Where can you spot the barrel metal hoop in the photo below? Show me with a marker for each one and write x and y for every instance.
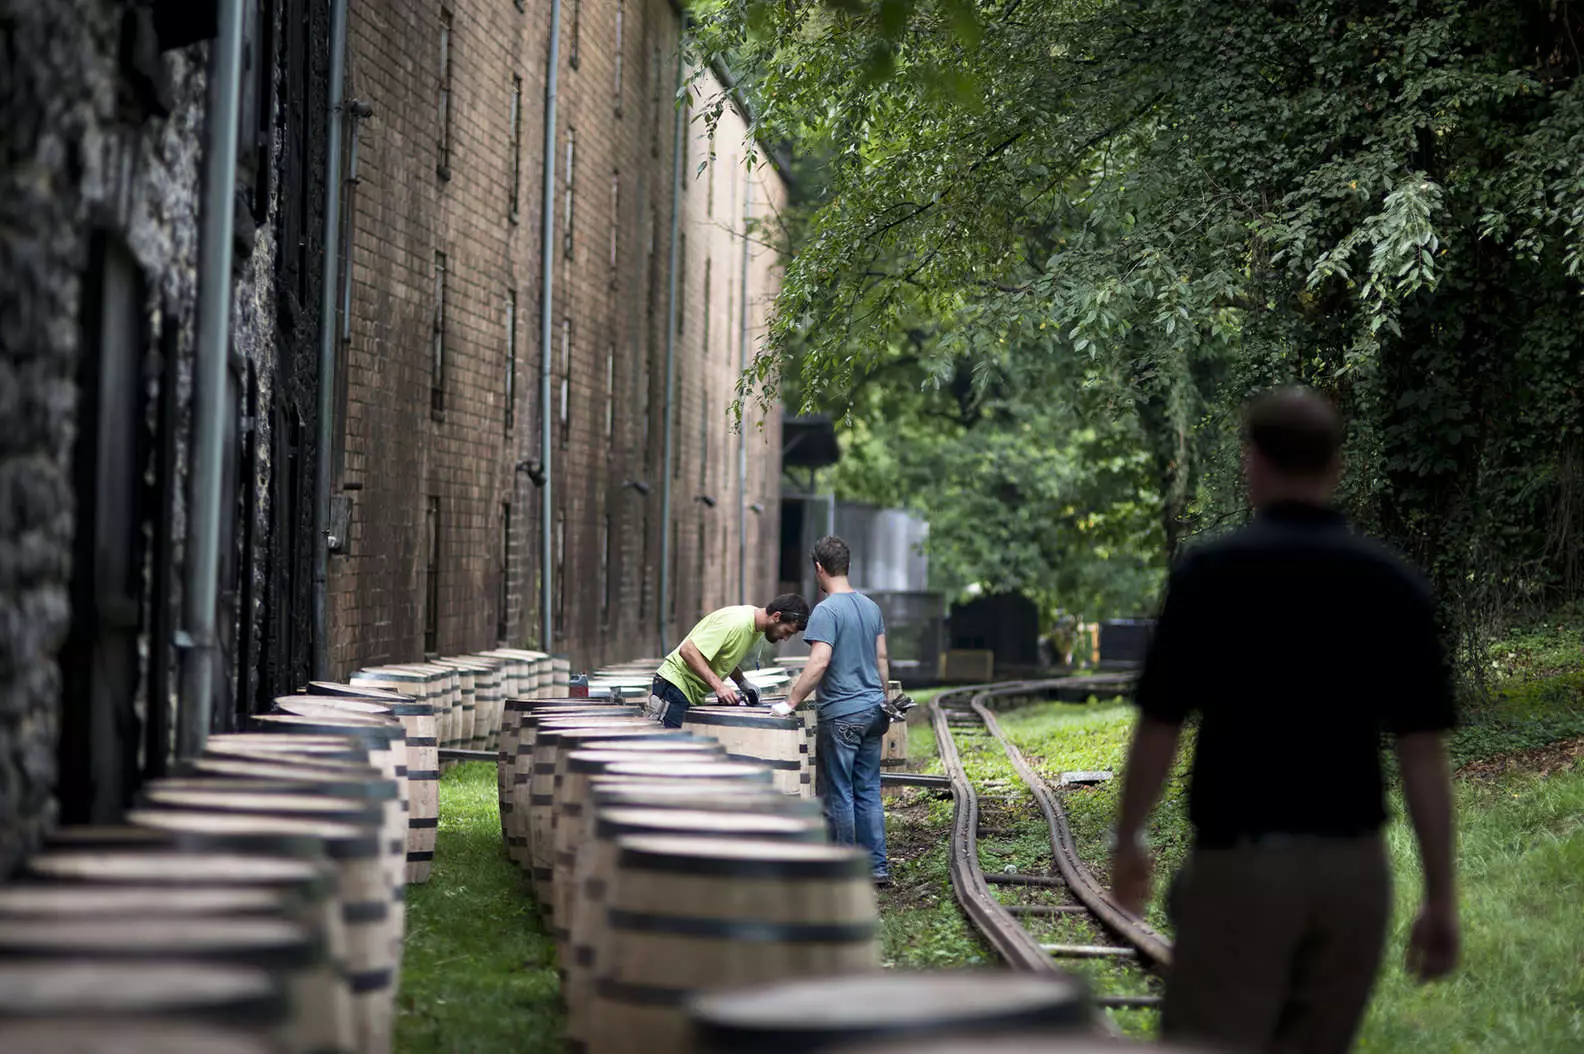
(418, 856)
(765, 721)
(755, 930)
(365, 981)
(641, 994)
(423, 821)
(424, 774)
(845, 867)
(785, 766)
(365, 912)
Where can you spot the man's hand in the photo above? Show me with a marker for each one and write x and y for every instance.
(1433, 944)
(725, 694)
(1130, 875)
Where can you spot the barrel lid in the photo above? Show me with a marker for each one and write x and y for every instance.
(105, 836)
(687, 794)
(274, 944)
(814, 1013)
(129, 1036)
(617, 821)
(361, 791)
(354, 691)
(340, 840)
(166, 868)
(249, 803)
(740, 717)
(32, 988)
(47, 899)
(380, 732)
(464, 664)
(296, 704)
(391, 674)
(289, 770)
(601, 755)
(1022, 1042)
(741, 858)
(276, 741)
(566, 736)
(719, 770)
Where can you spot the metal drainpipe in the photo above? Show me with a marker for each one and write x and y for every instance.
(666, 585)
(742, 435)
(547, 329)
(327, 337)
(209, 442)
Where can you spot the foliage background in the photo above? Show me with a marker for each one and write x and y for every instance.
(1043, 252)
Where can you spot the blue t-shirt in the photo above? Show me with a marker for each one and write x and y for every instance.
(849, 623)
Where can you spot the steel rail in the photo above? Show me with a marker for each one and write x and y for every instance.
(1090, 893)
(1012, 942)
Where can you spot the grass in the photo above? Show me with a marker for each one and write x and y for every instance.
(478, 973)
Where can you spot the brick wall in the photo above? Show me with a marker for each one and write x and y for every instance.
(614, 182)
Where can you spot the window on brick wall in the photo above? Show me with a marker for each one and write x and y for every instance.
(432, 576)
(566, 381)
(615, 222)
(515, 201)
(443, 94)
(610, 394)
(560, 566)
(681, 320)
(605, 575)
(503, 595)
(569, 202)
(708, 279)
(654, 102)
(511, 358)
(437, 366)
(577, 33)
(616, 79)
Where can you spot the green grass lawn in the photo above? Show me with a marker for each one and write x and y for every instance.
(478, 973)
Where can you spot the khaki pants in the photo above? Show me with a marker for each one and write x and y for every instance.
(1277, 944)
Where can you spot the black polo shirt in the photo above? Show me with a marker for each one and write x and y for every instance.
(1299, 642)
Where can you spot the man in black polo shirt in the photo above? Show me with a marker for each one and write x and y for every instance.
(1281, 908)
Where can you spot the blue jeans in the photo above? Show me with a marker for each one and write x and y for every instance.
(674, 705)
(849, 762)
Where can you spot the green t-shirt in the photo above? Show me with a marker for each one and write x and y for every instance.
(723, 637)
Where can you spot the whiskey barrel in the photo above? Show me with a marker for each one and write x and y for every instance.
(571, 794)
(473, 675)
(752, 734)
(711, 795)
(688, 914)
(489, 692)
(804, 1015)
(585, 945)
(88, 990)
(307, 887)
(363, 892)
(560, 670)
(445, 693)
(320, 1014)
(541, 785)
(117, 1035)
(530, 714)
(1019, 1043)
(422, 782)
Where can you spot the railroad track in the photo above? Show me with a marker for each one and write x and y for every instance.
(1128, 937)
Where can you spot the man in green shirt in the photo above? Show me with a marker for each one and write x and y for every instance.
(711, 653)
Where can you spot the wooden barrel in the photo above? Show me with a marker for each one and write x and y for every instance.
(751, 734)
(316, 748)
(362, 892)
(688, 914)
(320, 1017)
(804, 1015)
(577, 768)
(487, 698)
(1018, 1043)
(116, 1035)
(445, 692)
(417, 717)
(540, 800)
(560, 670)
(505, 771)
(307, 887)
(587, 941)
(88, 990)
(474, 674)
(530, 713)
(712, 795)
(44, 900)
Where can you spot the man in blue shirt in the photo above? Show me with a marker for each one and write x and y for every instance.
(847, 661)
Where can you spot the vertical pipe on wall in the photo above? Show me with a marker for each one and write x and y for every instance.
(327, 335)
(742, 424)
(666, 541)
(209, 442)
(546, 331)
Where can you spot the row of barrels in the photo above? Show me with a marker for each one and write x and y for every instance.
(254, 901)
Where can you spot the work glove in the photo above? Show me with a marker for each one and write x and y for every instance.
(750, 695)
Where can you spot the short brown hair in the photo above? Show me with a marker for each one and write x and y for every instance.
(831, 553)
(1296, 429)
(792, 608)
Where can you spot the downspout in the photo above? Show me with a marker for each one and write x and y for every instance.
(327, 337)
(666, 585)
(547, 330)
(209, 442)
(742, 435)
